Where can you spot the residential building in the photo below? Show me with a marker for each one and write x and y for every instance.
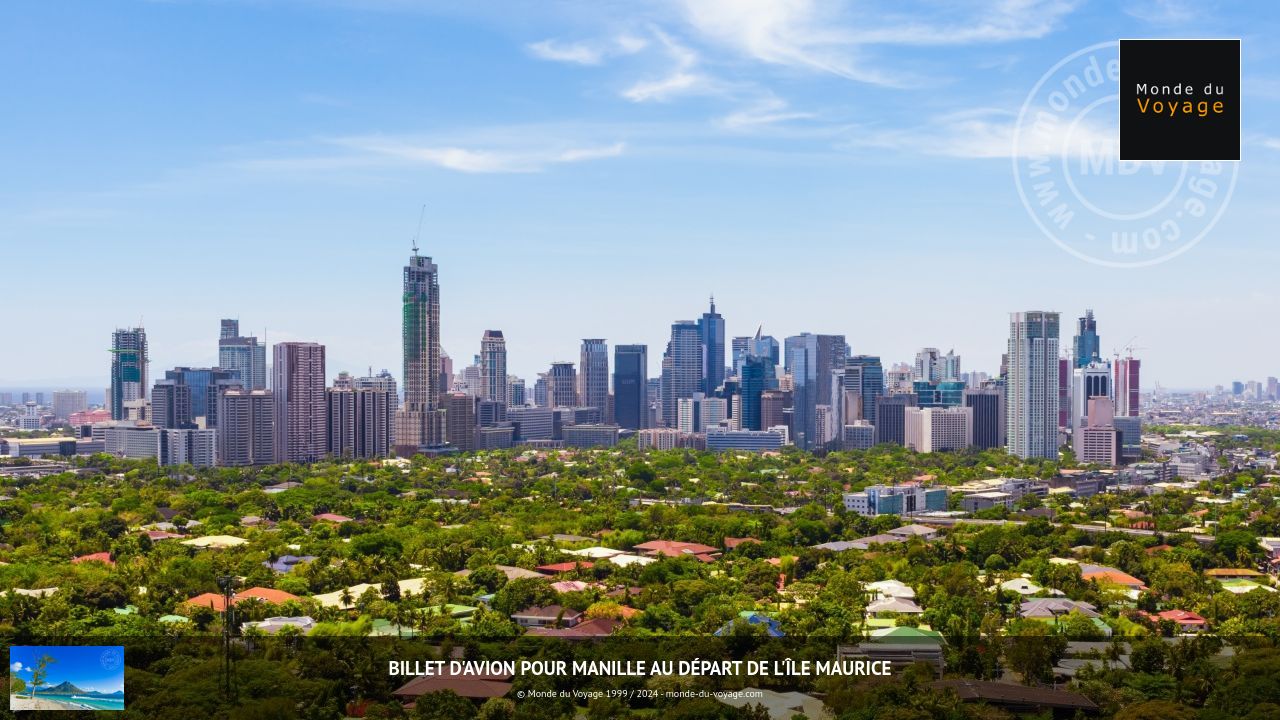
(460, 421)
(417, 422)
(938, 429)
(1128, 371)
(246, 427)
(298, 389)
(68, 402)
(1032, 384)
(128, 369)
(171, 405)
(859, 436)
(562, 384)
(493, 368)
(593, 375)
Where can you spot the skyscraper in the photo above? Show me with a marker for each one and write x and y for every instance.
(562, 382)
(1128, 386)
(811, 359)
(460, 421)
(593, 374)
(171, 405)
(68, 402)
(417, 423)
(753, 381)
(711, 338)
(242, 355)
(630, 386)
(128, 369)
(871, 376)
(1032, 386)
(681, 368)
(245, 434)
(1086, 346)
(300, 409)
(988, 406)
(493, 367)
(203, 383)
(1088, 382)
(891, 418)
(928, 368)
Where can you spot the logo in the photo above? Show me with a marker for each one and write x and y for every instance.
(111, 658)
(1097, 207)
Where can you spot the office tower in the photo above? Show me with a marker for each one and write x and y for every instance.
(1237, 388)
(246, 427)
(243, 355)
(445, 380)
(860, 435)
(870, 382)
(516, 396)
(418, 424)
(949, 366)
(1086, 346)
(891, 418)
(1128, 386)
(562, 385)
(67, 402)
(459, 421)
(532, 423)
(1273, 390)
(593, 376)
(928, 368)
(1087, 382)
(1129, 430)
(810, 359)
(1032, 386)
(128, 369)
(739, 349)
(171, 405)
(711, 338)
(298, 389)
(753, 382)
(765, 346)
(631, 386)
(493, 367)
(689, 413)
(540, 391)
(681, 368)
(988, 406)
(1065, 368)
(340, 418)
(899, 378)
(775, 405)
(938, 429)
(1097, 440)
(202, 382)
(40, 399)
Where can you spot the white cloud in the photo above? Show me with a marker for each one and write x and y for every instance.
(16, 666)
(989, 133)
(587, 53)
(682, 79)
(767, 111)
(470, 160)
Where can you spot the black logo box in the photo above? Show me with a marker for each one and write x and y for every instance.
(1187, 68)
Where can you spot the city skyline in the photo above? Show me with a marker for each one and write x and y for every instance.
(657, 150)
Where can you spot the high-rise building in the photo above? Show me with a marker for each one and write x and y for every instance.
(562, 382)
(1087, 382)
(681, 368)
(988, 406)
(739, 348)
(68, 402)
(811, 359)
(949, 365)
(1065, 367)
(493, 367)
(243, 355)
(891, 418)
(246, 427)
(869, 377)
(753, 382)
(340, 418)
(128, 369)
(516, 392)
(417, 423)
(187, 446)
(593, 375)
(460, 421)
(1096, 440)
(711, 338)
(1032, 386)
(938, 429)
(171, 405)
(1086, 347)
(298, 379)
(361, 415)
(202, 382)
(1128, 386)
(774, 407)
(630, 386)
(928, 368)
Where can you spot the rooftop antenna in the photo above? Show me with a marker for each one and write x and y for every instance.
(418, 234)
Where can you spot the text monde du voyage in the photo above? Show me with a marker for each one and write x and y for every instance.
(637, 668)
(1180, 99)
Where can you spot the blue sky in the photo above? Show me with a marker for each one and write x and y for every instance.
(80, 665)
(589, 170)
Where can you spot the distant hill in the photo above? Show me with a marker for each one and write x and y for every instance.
(95, 693)
(62, 688)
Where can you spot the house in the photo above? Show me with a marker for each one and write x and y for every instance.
(215, 542)
(597, 628)
(98, 557)
(670, 548)
(731, 543)
(281, 487)
(216, 601)
(512, 573)
(1051, 608)
(286, 563)
(273, 625)
(596, 552)
(564, 586)
(751, 617)
(331, 518)
(473, 687)
(1187, 621)
(779, 705)
(861, 543)
(1024, 586)
(915, 530)
(626, 559)
(890, 589)
(564, 567)
(1104, 576)
(901, 646)
(1232, 574)
(1018, 699)
(547, 616)
(893, 606)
